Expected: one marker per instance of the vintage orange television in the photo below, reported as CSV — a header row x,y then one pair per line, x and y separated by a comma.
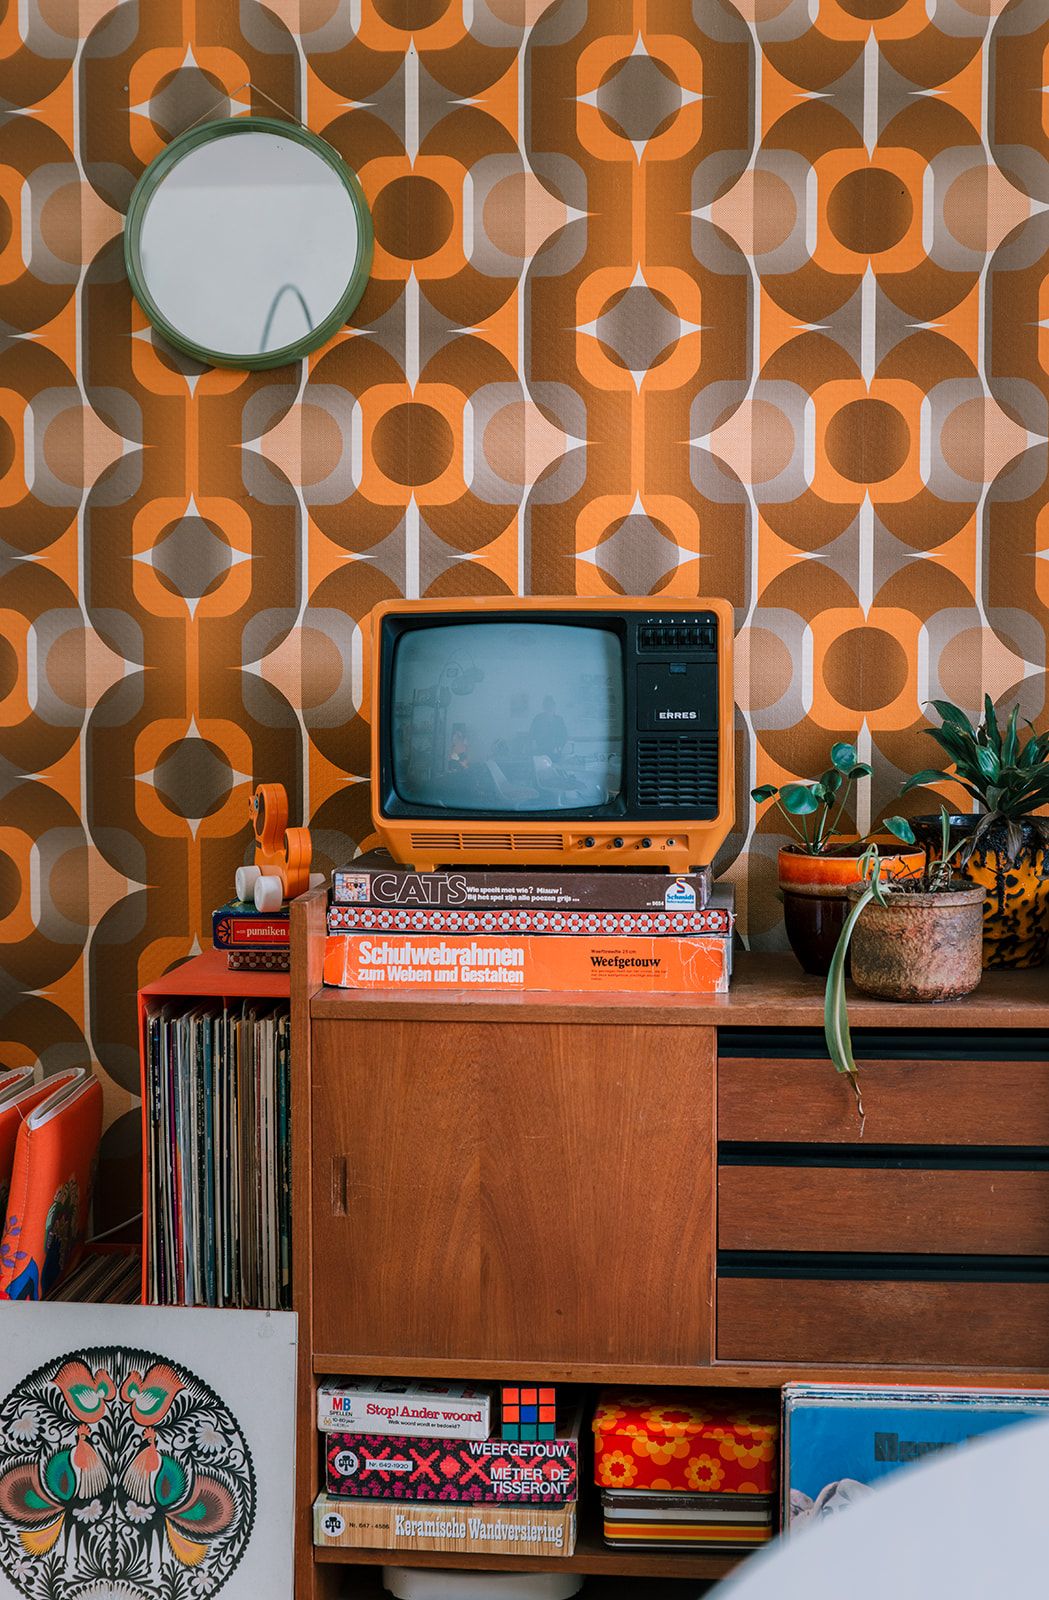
x,y
549,731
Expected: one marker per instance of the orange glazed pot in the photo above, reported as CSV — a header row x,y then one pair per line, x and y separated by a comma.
x,y
815,896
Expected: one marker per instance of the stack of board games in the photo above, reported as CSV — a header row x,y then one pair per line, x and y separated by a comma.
x,y
218,1154
839,1440
414,1466
682,1469
390,927
254,941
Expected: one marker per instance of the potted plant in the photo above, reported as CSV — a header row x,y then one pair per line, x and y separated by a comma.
x,y
910,939
815,872
1004,847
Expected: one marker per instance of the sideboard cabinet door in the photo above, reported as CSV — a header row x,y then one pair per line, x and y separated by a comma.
x,y
536,1192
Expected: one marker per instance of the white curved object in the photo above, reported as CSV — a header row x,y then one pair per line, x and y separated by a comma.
x,y
247,878
269,893
969,1524
316,879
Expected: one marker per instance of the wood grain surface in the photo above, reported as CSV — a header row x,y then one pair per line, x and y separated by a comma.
x,y
883,1209
907,1102
973,1325
767,991
526,1193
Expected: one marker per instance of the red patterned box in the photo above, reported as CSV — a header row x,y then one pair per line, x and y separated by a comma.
x,y
468,1471
702,1441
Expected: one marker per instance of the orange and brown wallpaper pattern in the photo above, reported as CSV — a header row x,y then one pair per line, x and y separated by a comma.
x,y
669,297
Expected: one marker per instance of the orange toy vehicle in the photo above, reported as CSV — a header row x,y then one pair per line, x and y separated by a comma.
x,y
282,854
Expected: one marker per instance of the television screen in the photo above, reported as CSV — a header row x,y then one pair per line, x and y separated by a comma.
x,y
507,716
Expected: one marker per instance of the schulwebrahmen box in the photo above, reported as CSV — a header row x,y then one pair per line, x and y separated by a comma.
x,y
436,963
465,1471
467,1530
415,1410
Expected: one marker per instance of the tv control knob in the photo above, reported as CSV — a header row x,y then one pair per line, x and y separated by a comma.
x,y
646,844
617,844
589,841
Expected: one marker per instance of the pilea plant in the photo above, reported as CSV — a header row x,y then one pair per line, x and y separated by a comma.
x,y
813,811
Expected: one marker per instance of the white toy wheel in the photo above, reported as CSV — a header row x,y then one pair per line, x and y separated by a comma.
x,y
269,893
316,879
247,878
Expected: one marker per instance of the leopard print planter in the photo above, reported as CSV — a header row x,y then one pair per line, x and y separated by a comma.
x,y
1016,891
1016,903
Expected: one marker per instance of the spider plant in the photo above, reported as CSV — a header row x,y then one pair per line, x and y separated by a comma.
x,y
937,878
813,811
1005,771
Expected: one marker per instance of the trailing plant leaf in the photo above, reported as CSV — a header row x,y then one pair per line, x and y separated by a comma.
x,y
843,756
835,1003
765,792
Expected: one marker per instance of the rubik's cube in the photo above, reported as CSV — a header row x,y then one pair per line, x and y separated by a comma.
x,y
528,1413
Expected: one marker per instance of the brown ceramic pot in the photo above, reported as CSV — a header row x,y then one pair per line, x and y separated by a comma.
x,y
919,946
815,896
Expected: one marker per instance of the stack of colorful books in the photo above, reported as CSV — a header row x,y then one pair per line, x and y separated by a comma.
x,y
414,1466
686,1469
612,930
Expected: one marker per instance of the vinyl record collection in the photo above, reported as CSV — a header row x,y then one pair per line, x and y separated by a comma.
x,y
218,1173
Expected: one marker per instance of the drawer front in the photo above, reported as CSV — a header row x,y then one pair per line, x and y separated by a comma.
x,y
985,1210
952,1102
897,1323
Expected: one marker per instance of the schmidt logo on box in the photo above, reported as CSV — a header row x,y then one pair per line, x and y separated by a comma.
x,y
681,896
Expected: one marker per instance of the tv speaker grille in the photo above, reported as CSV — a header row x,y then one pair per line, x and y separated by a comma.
x,y
487,841
678,770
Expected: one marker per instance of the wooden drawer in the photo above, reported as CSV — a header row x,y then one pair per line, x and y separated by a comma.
x,y
907,1102
812,1321
934,1211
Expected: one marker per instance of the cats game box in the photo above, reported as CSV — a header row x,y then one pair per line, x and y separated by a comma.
x,y
375,879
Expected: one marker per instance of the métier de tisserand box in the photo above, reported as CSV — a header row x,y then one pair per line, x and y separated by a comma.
x,y
466,1471
468,1530
414,1410
699,1441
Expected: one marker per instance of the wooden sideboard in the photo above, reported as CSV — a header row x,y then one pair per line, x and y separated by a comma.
x,y
612,1188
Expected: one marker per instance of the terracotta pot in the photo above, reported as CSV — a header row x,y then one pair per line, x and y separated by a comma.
x,y
919,946
1016,889
815,903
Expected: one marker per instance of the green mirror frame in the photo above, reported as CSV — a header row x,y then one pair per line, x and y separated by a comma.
x,y
154,176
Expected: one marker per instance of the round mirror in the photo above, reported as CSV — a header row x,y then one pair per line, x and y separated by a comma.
x,y
248,242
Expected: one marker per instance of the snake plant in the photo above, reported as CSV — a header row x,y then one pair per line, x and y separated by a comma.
x,y
1006,773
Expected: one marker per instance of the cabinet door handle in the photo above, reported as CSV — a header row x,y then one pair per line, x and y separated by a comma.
x,y
339,1186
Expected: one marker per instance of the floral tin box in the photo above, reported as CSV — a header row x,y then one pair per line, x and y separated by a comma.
x,y
703,1441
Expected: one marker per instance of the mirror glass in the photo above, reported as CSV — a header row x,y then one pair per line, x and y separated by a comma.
x,y
250,242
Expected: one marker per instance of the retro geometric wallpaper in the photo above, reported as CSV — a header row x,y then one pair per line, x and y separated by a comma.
x,y
669,297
